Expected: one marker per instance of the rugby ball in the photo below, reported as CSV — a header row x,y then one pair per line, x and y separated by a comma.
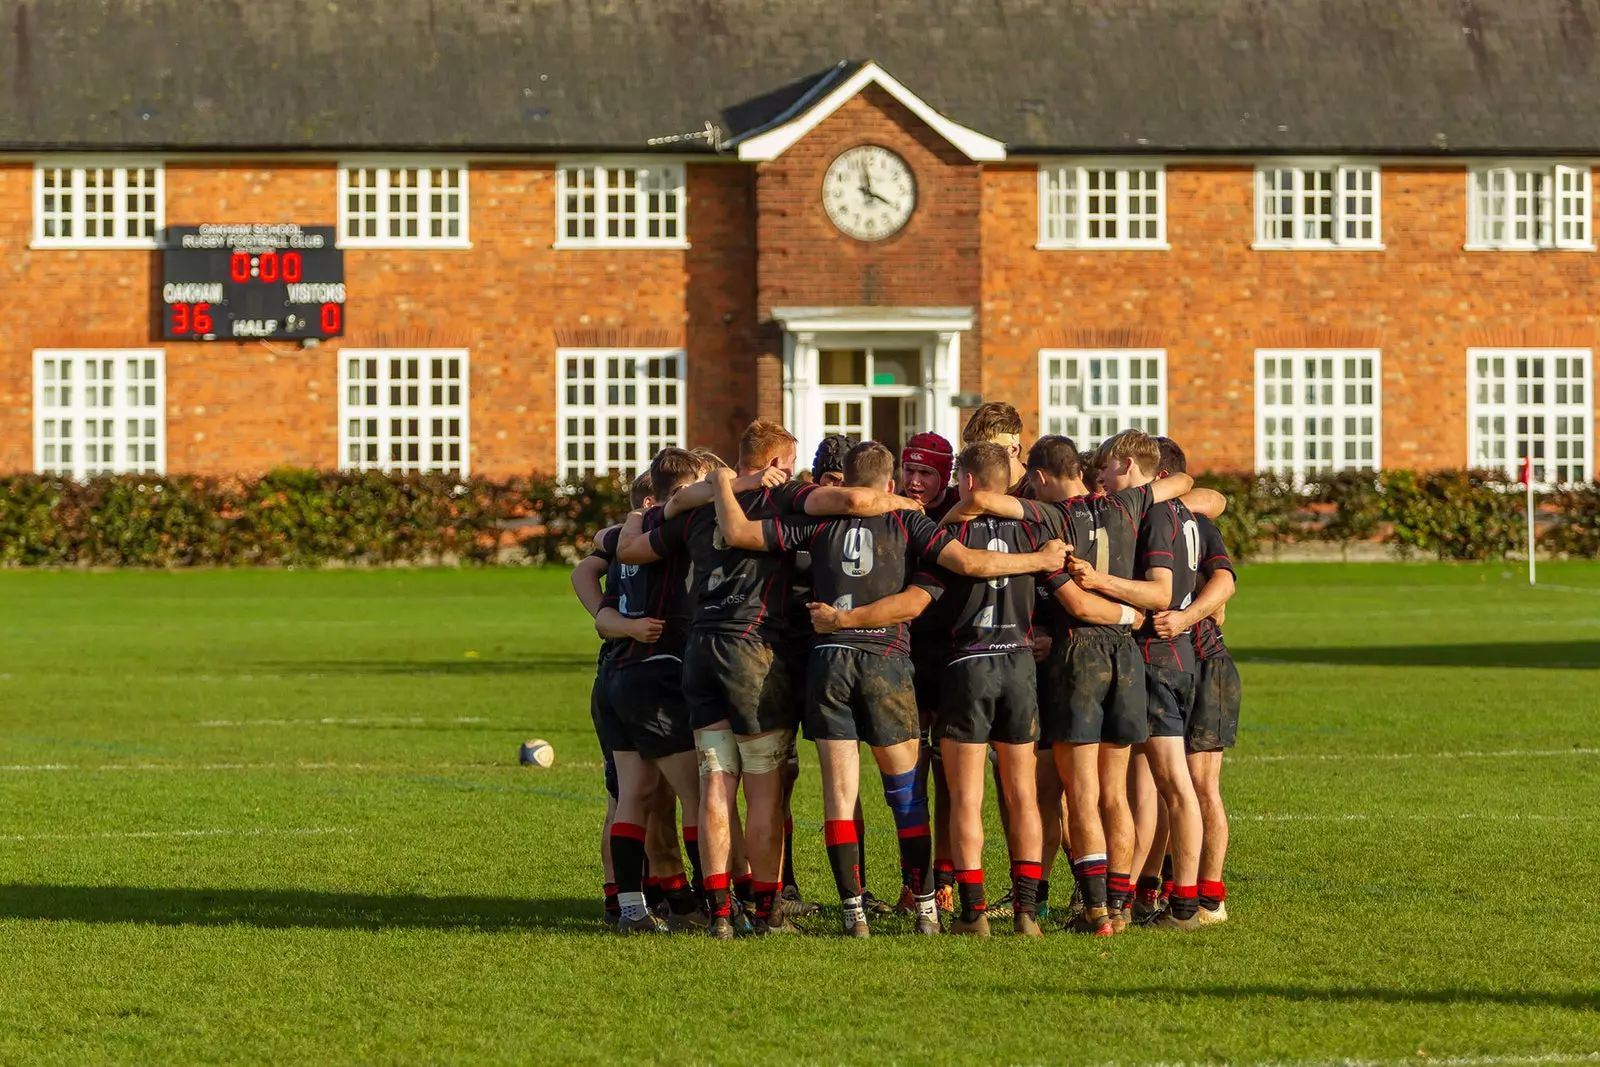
x,y
536,753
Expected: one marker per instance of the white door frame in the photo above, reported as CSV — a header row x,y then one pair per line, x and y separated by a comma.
x,y
936,331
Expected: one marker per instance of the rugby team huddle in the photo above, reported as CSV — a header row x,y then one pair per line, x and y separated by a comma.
x,y
1053,614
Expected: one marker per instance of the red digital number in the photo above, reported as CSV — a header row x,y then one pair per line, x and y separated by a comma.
x,y
332,316
269,266
180,318
239,267
202,319
290,264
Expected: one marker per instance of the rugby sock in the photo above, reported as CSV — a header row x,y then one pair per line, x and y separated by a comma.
x,y
944,874
1185,900
1119,891
744,888
1025,886
613,909
970,885
680,898
861,852
717,899
1166,875
765,894
909,803
633,907
1149,890
1044,893
653,895
844,856
1090,871
691,846
1212,894
627,861
788,853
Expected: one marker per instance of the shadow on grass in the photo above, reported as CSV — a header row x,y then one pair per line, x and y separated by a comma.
x,y
1579,655
534,664
286,909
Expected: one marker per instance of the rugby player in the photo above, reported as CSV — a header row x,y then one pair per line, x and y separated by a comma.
x,y
735,682
998,423
859,685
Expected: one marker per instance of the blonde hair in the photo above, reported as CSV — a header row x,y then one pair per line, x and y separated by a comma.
x,y
1135,445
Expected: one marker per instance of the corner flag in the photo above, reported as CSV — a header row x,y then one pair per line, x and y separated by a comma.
x,y
1527,480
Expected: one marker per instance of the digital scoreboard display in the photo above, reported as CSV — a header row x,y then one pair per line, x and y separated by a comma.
x,y
235,283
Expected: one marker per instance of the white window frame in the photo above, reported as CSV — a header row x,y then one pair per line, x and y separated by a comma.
x,y
150,406
599,406
1343,171
119,167
1074,204
1338,409
1057,413
1553,406
384,170
675,180
1549,221
378,417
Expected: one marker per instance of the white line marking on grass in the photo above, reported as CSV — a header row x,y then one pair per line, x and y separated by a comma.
x,y
390,721
25,768
1462,816
1413,1061
1330,757
139,835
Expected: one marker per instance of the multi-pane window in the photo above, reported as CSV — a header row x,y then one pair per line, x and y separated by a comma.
x,y
1318,207
1527,207
1318,411
403,411
99,412
111,207
1532,403
1089,206
1089,396
617,409
633,205
388,207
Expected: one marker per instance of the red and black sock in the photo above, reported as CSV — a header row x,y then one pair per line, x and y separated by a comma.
x,y
1185,901
1166,876
844,856
718,901
654,895
765,894
1090,871
744,888
970,886
613,909
691,847
861,851
1149,890
1025,886
627,864
916,856
944,874
1212,894
788,853
1119,891
680,898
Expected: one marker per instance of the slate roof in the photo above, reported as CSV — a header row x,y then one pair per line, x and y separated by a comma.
x,y
1222,76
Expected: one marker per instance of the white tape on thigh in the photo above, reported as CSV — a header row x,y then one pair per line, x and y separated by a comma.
x,y
719,752
765,753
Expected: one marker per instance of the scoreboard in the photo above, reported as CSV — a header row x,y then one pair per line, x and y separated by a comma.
x,y
241,282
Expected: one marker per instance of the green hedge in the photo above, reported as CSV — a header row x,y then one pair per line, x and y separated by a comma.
x,y
297,518
314,518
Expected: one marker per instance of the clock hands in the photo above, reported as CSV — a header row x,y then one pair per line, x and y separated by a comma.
x,y
866,186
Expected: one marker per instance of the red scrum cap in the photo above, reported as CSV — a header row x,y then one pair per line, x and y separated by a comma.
x,y
931,451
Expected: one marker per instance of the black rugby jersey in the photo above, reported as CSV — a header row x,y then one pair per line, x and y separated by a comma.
x,y
743,594
605,550
858,561
1104,530
986,616
1213,558
657,590
1169,538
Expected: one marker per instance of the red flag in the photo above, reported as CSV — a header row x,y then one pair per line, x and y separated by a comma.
x,y
1527,470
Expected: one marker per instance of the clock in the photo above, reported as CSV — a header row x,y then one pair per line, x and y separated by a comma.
x,y
869,193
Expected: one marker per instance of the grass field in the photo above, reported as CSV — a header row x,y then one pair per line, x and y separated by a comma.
x,y
277,817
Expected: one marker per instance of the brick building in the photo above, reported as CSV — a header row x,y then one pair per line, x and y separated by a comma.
x,y
1302,235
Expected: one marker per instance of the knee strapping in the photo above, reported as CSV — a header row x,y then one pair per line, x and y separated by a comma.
x,y
719,752
908,799
765,753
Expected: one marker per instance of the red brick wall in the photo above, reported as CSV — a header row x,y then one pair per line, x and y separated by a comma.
x,y
1211,301
510,300
935,261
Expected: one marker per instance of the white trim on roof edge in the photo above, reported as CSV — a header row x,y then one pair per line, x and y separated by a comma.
x,y
770,144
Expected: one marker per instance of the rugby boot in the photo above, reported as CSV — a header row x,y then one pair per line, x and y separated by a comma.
x,y
978,927
1120,918
1169,921
644,924
792,904
858,930
1001,909
1075,905
872,905
945,898
720,928
1213,918
907,904
774,926
1093,921
1026,925
741,919
927,926
688,922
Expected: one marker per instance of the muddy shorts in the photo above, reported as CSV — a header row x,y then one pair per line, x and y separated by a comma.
x,y
648,698
1171,693
855,695
608,728
987,699
1214,725
738,679
1097,691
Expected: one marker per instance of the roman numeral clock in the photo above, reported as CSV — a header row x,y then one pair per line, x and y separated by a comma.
x,y
869,193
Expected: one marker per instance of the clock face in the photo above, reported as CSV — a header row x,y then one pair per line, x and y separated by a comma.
x,y
869,193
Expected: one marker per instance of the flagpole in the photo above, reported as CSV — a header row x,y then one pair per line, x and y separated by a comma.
x,y
1527,480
